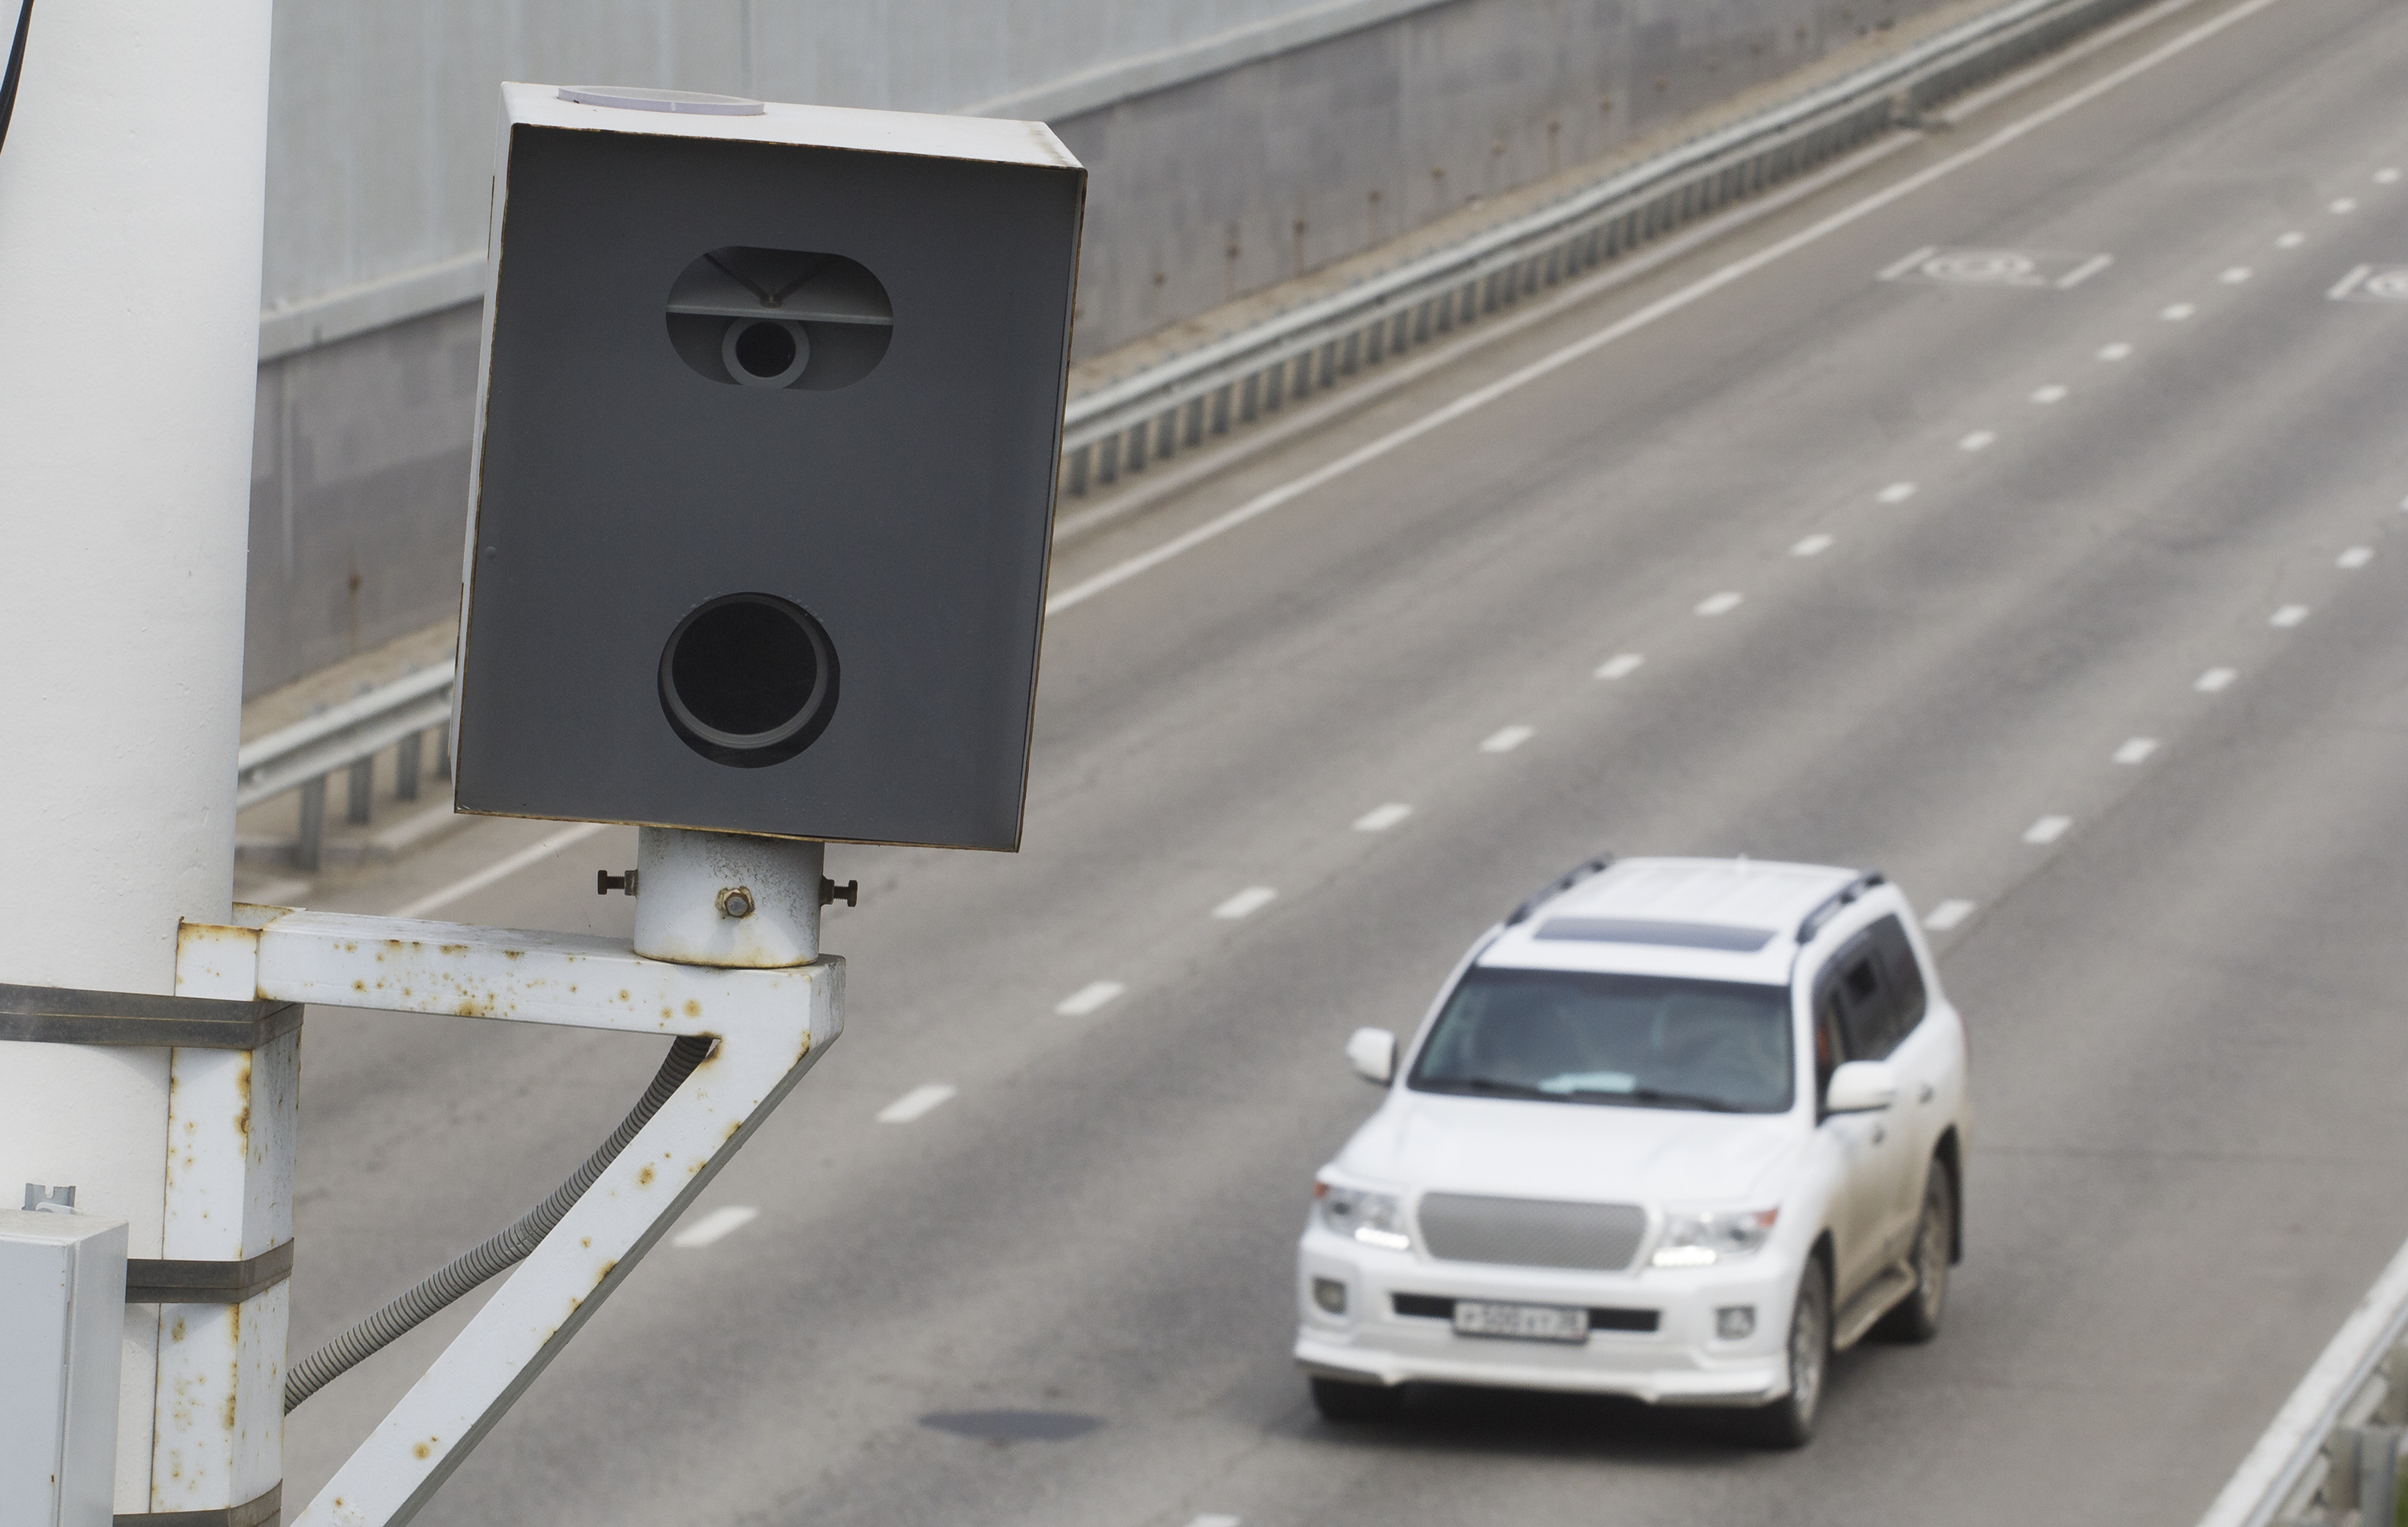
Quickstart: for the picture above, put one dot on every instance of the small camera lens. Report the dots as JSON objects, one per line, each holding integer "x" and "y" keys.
{"x": 765, "y": 351}
{"x": 748, "y": 680}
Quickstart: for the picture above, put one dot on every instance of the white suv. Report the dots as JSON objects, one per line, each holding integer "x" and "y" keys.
{"x": 1676, "y": 1129}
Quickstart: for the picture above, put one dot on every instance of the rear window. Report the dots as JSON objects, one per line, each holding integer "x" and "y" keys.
{"x": 1615, "y": 1041}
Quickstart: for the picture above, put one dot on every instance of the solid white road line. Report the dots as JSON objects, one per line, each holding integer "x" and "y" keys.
{"x": 1380, "y": 818}
{"x": 1981, "y": 440}
{"x": 2174, "y": 313}
{"x": 1480, "y": 398}
{"x": 2084, "y": 271}
{"x": 500, "y": 869}
{"x": 2053, "y": 393}
{"x": 1622, "y": 665}
{"x": 2236, "y": 275}
{"x": 2291, "y": 240}
{"x": 717, "y": 1225}
{"x": 2356, "y": 556}
{"x": 1947, "y": 914}
{"x": 924, "y": 1099}
{"x": 1897, "y": 493}
{"x": 2348, "y": 283}
{"x": 2137, "y": 750}
{"x": 1892, "y": 272}
{"x": 1719, "y": 604}
{"x": 1813, "y": 545}
{"x": 2115, "y": 352}
{"x": 2289, "y": 616}
{"x": 1506, "y": 739}
{"x": 2048, "y": 830}
{"x": 2213, "y": 680}
{"x": 1088, "y": 998}
{"x": 1245, "y": 903}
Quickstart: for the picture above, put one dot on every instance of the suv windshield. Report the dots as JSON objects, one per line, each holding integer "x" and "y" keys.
{"x": 1627, "y": 1041}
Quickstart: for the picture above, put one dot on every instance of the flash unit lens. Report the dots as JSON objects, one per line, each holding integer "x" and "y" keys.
{"x": 749, "y": 680}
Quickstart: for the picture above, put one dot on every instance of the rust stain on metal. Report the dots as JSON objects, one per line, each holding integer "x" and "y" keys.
{"x": 608, "y": 1268}
{"x": 452, "y": 949}
{"x": 513, "y": 954}
{"x": 644, "y": 1178}
{"x": 693, "y": 1008}
{"x": 425, "y": 1450}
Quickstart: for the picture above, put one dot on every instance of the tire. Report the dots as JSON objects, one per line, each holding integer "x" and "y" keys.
{"x": 1916, "y": 1318}
{"x": 1339, "y": 1401}
{"x": 1789, "y": 1422}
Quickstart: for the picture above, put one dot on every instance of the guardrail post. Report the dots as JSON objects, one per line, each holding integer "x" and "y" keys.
{"x": 2378, "y": 1476}
{"x": 360, "y": 790}
{"x": 406, "y": 766}
{"x": 309, "y": 852}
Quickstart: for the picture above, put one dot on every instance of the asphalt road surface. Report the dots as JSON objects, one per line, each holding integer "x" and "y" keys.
{"x": 2069, "y": 593}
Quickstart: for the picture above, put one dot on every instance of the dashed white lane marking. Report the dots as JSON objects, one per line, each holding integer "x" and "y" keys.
{"x": 2053, "y": 393}
{"x": 2236, "y": 275}
{"x": 924, "y": 1099}
{"x": 2048, "y": 830}
{"x": 2348, "y": 283}
{"x": 1719, "y": 604}
{"x": 2385, "y": 176}
{"x": 1813, "y": 545}
{"x": 1088, "y": 998}
{"x": 2115, "y": 352}
{"x": 2343, "y": 207}
{"x": 1981, "y": 440}
{"x": 717, "y": 1225}
{"x": 1506, "y": 739}
{"x": 1245, "y": 903}
{"x": 2136, "y": 750}
{"x": 1947, "y": 914}
{"x": 2174, "y": 313}
{"x": 1380, "y": 818}
{"x": 1214, "y": 1521}
{"x": 2213, "y": 680}
{"x": 2289, "y": 616}
{"x": 499, "y": 869}
{"x": 2356, "y": 556}
{"x": 1897, "y": 493}
{"x": 2291, "y": 240}
{"x": 1622, "y": 665}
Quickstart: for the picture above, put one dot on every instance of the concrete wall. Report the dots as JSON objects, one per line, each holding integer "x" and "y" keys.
{"x": 1233, "y": 144}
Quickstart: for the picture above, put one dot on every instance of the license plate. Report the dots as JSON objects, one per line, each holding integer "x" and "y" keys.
{"x": 1521, "y": 1322}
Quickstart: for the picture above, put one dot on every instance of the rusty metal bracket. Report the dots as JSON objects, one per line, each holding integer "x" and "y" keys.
{"x": 68, "y": 1015}
{"x": 263, "y": 1511}
{"x": 154, "y": 1280}
{"x": 772, "y": 1025}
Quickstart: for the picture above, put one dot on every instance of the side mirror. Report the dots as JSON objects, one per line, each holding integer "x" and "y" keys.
{"x": 1373, "y": 1053}
{"x": 1862, "y": 1087}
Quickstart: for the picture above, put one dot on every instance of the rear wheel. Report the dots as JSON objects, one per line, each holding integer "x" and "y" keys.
{"x": 1789, "y": 1422}
{"x": 1339, "y": 1401}
{"x": 1917, "y": 1318}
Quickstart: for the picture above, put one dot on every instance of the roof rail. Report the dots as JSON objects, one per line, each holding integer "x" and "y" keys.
{"x": 1813, "y": 921}
{"x": 1556, "y": 886}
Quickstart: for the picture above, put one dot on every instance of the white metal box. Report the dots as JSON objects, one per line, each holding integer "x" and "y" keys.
{"x": 62, "y": 1320}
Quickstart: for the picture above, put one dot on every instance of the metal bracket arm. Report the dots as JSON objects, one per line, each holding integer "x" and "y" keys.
{"x": 772, "y": 1025}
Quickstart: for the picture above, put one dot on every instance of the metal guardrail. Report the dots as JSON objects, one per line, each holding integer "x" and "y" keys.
{"x": 348, "y": 737}
{"x": 2331, "y": 1458}
{"x": 1239, "y": 378}
{"x": 1182, "y": 402}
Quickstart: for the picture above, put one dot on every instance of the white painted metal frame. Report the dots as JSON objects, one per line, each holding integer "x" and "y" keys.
{"x": 771, "y": 1025}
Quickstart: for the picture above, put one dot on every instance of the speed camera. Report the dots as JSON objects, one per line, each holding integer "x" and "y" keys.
{"x": 762, "y": 491}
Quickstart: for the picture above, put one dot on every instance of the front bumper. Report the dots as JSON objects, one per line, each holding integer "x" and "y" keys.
{"x": 1682, "y": 1362}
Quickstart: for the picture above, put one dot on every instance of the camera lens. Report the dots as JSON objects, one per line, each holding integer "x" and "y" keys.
{"x": 749, "y": 680}
{"x": 765, "y": 351}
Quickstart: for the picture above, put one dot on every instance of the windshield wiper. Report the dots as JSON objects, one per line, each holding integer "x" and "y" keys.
{"x": 1679, "y": 1100}
{"x": 1487, "y": 1083}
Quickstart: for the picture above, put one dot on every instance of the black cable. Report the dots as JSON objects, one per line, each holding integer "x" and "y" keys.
{"x": 502, "y": 1252}
{"x": 16, "y": 67}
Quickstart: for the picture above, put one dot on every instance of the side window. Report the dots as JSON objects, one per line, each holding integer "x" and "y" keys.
{"x": 1863, "y": 998}
{"x": 1904, "y": 976}
{"x": 1830, "y": 1042}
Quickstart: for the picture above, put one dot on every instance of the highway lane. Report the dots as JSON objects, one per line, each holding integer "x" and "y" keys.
{"x": 2185, "y": 1042}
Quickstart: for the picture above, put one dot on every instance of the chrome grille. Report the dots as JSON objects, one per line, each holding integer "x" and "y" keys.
{"x": 1532, "y": 1233}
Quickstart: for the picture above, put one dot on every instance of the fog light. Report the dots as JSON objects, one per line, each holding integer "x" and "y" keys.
{"x": 1735, "y": 1322}
{"x": 1330, "y": 1295}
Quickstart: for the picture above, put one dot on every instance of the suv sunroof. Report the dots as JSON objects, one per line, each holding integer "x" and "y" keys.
{"x": 1737, "y": 941}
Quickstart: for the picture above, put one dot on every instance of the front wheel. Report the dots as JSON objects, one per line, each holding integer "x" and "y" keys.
{"x": 1339, "y": 1401}
{"x": 1917, "y": 1319}
{"x": 1789, "y": 1422}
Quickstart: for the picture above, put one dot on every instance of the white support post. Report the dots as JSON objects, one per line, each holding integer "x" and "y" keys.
{"x": 132, "y": 192}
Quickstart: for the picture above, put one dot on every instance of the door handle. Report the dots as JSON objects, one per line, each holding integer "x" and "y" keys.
{"x": 1880, "y": 1133}
{"x": 1926, "y": 1093}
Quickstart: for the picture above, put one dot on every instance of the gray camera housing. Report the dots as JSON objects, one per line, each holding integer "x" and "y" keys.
{"x": 841, "y": 509}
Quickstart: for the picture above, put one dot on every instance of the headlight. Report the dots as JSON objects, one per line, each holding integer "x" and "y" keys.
{"x": 1373, "y": 1219}
{"x": 1702, "y": 1240}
